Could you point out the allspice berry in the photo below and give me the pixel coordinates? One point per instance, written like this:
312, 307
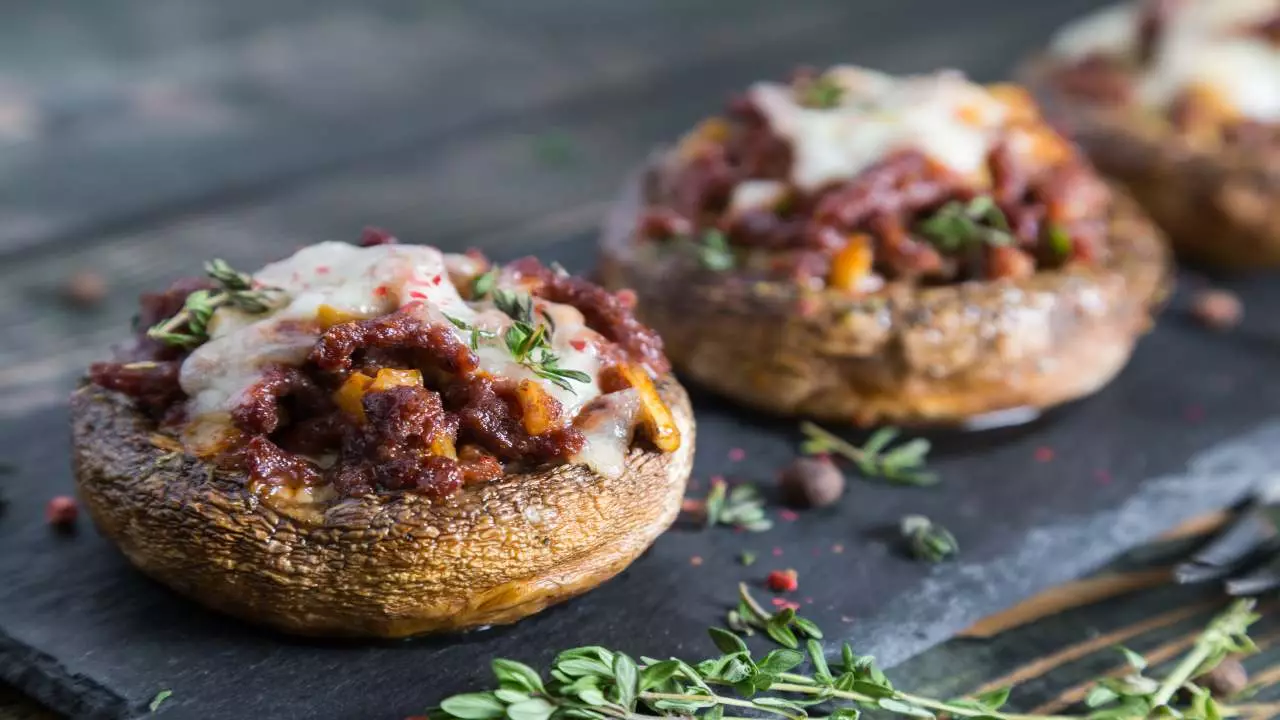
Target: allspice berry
1217, 309
810, 482
85, 288
1227, 679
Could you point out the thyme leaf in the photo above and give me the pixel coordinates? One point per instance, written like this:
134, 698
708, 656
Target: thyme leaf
820, 93
597, 683
901, 465
159, 699
957, 226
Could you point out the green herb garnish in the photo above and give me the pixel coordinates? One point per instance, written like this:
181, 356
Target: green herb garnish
529, 342
235, 289
476, 333
598, 683
903, 465
928, 541
747, 558
714, 252
820, 93
1059, 240
958, 226
483, 284
740, 507
159, 699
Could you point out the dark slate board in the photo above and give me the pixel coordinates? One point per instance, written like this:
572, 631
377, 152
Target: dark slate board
1188, 427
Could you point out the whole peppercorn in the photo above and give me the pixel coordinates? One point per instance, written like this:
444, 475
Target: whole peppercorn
1227, 679
1217, 309
811, 482
61, 511
783, 581
85, 288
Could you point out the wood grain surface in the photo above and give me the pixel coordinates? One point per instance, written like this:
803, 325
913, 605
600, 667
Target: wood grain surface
136, 137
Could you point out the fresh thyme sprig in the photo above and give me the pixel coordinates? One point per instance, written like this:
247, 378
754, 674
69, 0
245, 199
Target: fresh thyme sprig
784, 627
597, 683
740, 507
960, 225
477, 334
903, 465
928, 540
190, 326
529, 341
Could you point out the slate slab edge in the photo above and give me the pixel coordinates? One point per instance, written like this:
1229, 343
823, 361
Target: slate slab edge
48, 681
1216, 477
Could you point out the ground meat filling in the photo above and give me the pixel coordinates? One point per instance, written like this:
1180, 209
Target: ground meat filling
437, 424
1039, 217
1195, 112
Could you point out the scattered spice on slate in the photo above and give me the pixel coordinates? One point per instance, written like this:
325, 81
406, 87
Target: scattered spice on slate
1217, 309
1102, 476
159, 699
783, 580
595, 683
811, 482
747, 558
737, 454
1193, 413
837, 548
928, 541
901, 465
777, 552
1228, 679
696, 560
61, 511
784, 604
85, 288
1044, 454
788, 515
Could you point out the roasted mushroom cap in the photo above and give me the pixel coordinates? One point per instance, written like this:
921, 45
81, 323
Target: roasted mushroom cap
379, 566
1217, 205
905, 353
1178, 101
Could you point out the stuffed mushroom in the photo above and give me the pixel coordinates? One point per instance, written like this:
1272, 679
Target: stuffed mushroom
383, 440
1180, 101
854, 246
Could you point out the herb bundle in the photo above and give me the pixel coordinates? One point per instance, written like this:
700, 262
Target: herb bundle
902, 465
959, 225
598, 683
741, 507
189, 328
928, 541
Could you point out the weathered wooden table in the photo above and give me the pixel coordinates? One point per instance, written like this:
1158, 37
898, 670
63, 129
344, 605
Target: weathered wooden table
134, 136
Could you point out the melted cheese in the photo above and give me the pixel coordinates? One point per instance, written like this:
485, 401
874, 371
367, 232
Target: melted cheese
1205, 44
365, 283
943, 115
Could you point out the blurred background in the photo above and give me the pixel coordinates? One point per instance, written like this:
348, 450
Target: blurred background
138, 138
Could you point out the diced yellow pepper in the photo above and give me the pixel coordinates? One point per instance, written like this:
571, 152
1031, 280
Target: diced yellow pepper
391, 377
655, 416
348, 396
536, 414
328, 316
851, 264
